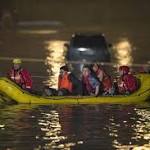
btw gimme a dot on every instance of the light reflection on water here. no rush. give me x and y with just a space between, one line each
50 125
54 59
141 132
67 127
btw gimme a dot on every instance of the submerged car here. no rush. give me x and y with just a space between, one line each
87 48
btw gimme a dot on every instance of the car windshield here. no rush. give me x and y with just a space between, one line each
89 42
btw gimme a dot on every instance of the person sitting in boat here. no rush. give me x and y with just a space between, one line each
68 84
19 75
127 83
65 86
91 85
104 78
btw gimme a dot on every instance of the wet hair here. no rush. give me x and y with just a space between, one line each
125 69
92 65
86 66
65 68
97 64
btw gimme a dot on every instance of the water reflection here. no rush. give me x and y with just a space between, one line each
17 124
122 127
53 136
143 125
140 137
123 51
54 59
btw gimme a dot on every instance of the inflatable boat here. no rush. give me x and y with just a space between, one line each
12 92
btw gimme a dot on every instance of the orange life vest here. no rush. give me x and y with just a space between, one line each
64 82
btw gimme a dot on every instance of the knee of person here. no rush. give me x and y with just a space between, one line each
48 92
60 93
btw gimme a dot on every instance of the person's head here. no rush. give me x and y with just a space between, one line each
17 63
95 67
63 70
124 70
86 71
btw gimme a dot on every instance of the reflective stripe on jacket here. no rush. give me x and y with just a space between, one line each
21 77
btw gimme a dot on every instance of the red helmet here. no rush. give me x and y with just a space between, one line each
125 69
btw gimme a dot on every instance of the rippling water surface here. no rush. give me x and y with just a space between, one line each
74 127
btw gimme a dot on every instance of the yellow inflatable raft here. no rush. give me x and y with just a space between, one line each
13 92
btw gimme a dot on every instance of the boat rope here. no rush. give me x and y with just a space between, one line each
143 92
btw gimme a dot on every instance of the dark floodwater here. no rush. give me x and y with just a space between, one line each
92 127
77 127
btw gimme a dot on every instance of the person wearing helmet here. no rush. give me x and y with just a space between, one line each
19 75
127 83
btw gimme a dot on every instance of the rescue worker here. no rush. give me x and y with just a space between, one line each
64 83
104 78
127 83
19 75
91 85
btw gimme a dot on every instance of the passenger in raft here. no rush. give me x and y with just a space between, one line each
127 83
104 78
68 84
91 85
19 75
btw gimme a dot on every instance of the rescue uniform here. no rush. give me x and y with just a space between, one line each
22 77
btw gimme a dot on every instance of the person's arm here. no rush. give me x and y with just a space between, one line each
9 74
97 90
100 76
26 79
96 85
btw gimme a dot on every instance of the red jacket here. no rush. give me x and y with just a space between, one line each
22 77
128 84
64 82
106 81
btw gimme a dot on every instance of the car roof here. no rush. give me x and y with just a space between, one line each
78 35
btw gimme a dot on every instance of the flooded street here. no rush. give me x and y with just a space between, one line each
74 127
38 36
